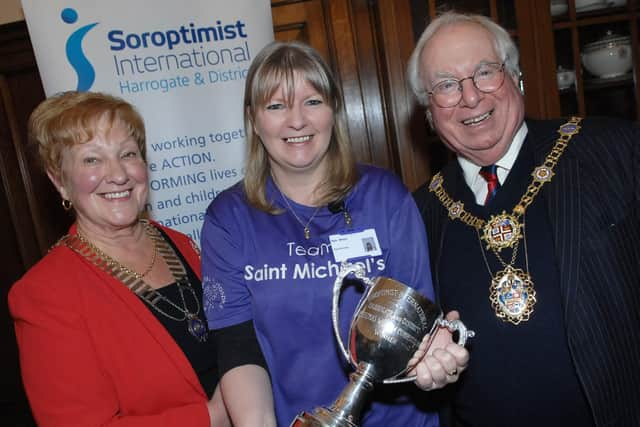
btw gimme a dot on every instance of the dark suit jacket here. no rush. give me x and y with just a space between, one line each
593 203
92 353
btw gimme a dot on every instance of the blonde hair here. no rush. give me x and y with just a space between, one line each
275 66
70 118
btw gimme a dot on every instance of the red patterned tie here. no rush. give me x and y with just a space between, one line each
489 173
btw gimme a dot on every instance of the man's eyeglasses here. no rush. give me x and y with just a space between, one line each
486 78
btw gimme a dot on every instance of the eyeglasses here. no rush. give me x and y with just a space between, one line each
486 78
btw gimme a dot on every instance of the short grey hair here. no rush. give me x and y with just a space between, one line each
503 44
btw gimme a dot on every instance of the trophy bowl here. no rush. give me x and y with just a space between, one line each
388 326
386 330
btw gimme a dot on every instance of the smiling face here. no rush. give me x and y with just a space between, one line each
295 131
105 178
482 125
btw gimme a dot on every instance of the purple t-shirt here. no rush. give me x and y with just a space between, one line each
259 266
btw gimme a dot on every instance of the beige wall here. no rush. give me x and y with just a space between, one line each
10 11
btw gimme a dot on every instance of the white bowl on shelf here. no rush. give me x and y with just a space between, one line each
559 7
565 78
608 57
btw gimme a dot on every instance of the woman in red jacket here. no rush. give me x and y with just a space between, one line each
110 323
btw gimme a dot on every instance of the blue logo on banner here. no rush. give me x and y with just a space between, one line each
75 54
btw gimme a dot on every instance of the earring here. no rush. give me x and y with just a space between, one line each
66 204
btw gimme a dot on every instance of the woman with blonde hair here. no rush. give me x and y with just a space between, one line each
268 263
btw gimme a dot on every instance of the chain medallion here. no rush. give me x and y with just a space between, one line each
512 294
502 231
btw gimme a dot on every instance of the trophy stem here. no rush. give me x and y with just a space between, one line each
345 411
349 405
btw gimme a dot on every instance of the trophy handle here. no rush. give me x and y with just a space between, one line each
457 325
451 325
346 268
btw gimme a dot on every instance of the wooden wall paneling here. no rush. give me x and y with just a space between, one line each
40 220
347 68
371 72
24 220
535 36
13 253
405 116
303 21
19 198
14 408
44 217
24 244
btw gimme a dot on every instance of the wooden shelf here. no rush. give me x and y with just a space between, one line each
597 84
588 20
570 33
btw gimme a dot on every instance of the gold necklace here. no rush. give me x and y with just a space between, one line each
112 262
195 326
512 294
305 227
504 230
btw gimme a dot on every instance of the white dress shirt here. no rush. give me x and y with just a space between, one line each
471 171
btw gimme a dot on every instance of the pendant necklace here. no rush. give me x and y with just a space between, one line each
305 227
134 281
512 293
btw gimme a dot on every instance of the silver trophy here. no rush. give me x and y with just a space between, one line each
387 328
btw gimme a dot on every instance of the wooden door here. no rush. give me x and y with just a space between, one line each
30 215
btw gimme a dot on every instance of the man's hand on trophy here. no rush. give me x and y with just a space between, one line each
439 361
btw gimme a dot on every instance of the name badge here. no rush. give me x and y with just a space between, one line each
355 245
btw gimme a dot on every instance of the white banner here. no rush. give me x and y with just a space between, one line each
183 64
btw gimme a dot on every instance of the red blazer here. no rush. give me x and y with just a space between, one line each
92 353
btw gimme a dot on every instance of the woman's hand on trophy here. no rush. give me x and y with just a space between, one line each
439 361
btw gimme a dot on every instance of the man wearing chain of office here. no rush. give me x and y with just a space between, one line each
534 235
